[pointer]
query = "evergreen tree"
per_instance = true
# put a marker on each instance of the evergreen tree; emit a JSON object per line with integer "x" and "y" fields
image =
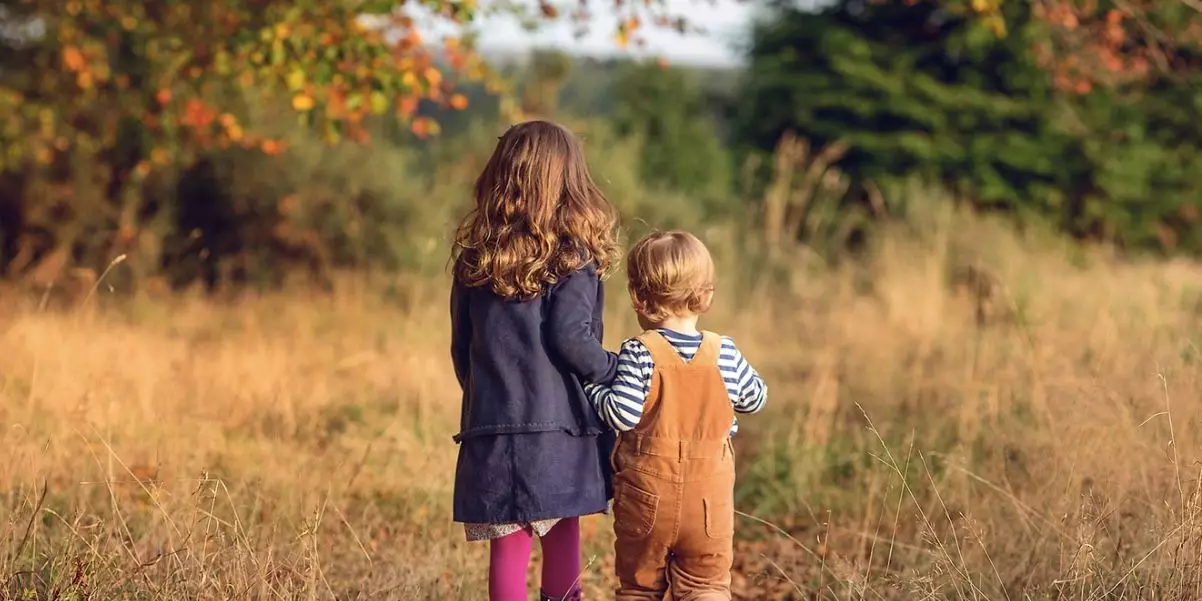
{"x": 916, "y": 89}
{"x": 666, "y": 108}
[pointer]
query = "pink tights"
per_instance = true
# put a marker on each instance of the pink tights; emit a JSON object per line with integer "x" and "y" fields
{"x": 509, "y": 557}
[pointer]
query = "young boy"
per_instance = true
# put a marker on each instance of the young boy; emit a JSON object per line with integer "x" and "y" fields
{"x": 673, "y": 402}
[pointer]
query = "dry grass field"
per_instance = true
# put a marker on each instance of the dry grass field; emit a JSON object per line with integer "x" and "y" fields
{"x": 966, "y": 414}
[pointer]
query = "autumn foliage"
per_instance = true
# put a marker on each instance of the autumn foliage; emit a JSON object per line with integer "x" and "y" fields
{"x": 179, "y": 69}
{"x": 106, "y": 101}
{"x": 110, "y": 107}
{"x": 1091, "y": 42}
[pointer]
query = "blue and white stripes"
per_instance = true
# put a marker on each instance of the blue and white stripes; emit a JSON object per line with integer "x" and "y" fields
{"x": 621, "y": 403}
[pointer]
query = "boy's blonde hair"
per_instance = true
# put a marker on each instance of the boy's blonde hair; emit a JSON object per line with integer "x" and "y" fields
{"x": 670, "y": 274}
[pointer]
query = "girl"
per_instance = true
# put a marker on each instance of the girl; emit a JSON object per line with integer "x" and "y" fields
{"x": 525, "y": 335}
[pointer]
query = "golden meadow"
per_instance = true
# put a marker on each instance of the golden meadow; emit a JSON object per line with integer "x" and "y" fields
{"x": 965, "y": 411}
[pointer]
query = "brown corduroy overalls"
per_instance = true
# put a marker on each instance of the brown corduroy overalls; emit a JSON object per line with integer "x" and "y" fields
{"x": 674, "y": 477}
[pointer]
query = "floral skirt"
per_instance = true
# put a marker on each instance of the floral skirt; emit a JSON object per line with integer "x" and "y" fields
{"x": 477, "y": 532}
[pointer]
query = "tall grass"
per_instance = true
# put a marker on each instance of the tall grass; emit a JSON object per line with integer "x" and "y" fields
{"x": 965, "y": 412}
{"x": 1033, "y": 437}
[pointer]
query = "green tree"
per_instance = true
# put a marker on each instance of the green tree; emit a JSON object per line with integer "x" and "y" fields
{"x": 666, "y": 109}
{"x": 543, "y": 81}
{"x": 916, "y": 89}
{"x": 911, "y": 91}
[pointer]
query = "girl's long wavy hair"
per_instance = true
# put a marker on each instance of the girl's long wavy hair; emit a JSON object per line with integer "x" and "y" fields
{"x": 538, "y": 216}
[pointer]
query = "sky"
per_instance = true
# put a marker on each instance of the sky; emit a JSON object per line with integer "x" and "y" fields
{"x": 725, "y": 22}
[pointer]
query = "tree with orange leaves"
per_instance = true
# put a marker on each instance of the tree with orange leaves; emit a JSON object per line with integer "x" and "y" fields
{"x": 99, "y": 96}
{"x": 174, "y": 68}
{"x": 104, "y": 99}
{"x": 1107, "y": 42}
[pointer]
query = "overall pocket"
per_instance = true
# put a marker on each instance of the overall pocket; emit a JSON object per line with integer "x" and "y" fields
{"x": 719, "y": 517}
{"x": 634, "y": 510}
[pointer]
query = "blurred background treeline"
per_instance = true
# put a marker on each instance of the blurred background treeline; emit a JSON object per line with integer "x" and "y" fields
{"x": 837, "y": 109}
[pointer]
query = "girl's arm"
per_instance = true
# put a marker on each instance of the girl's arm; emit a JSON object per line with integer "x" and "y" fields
{"x": 570, "y": 328}
{"x": 620, "y": 404}
{"x": 461, "y": 333}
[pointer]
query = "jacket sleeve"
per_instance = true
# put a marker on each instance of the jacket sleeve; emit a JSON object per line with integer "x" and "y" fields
{"x": 461, "y": 334}
{"x": 570, "y": 328}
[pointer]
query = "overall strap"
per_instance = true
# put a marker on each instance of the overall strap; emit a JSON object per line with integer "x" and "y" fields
{"x": 709, "y": 351}
{"x": 662, "y": 351}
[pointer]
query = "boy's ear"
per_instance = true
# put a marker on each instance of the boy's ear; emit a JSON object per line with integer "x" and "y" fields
{"x": 645, "y": 323}
{"x": 634, "y": 300}
{"x": 707, "y": 300}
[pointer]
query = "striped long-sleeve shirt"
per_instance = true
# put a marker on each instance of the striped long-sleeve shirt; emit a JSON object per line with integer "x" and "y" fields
{"x": 620, "y": 404}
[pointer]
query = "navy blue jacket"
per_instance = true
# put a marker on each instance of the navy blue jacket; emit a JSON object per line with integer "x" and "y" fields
{"x": 521, "y": 366}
